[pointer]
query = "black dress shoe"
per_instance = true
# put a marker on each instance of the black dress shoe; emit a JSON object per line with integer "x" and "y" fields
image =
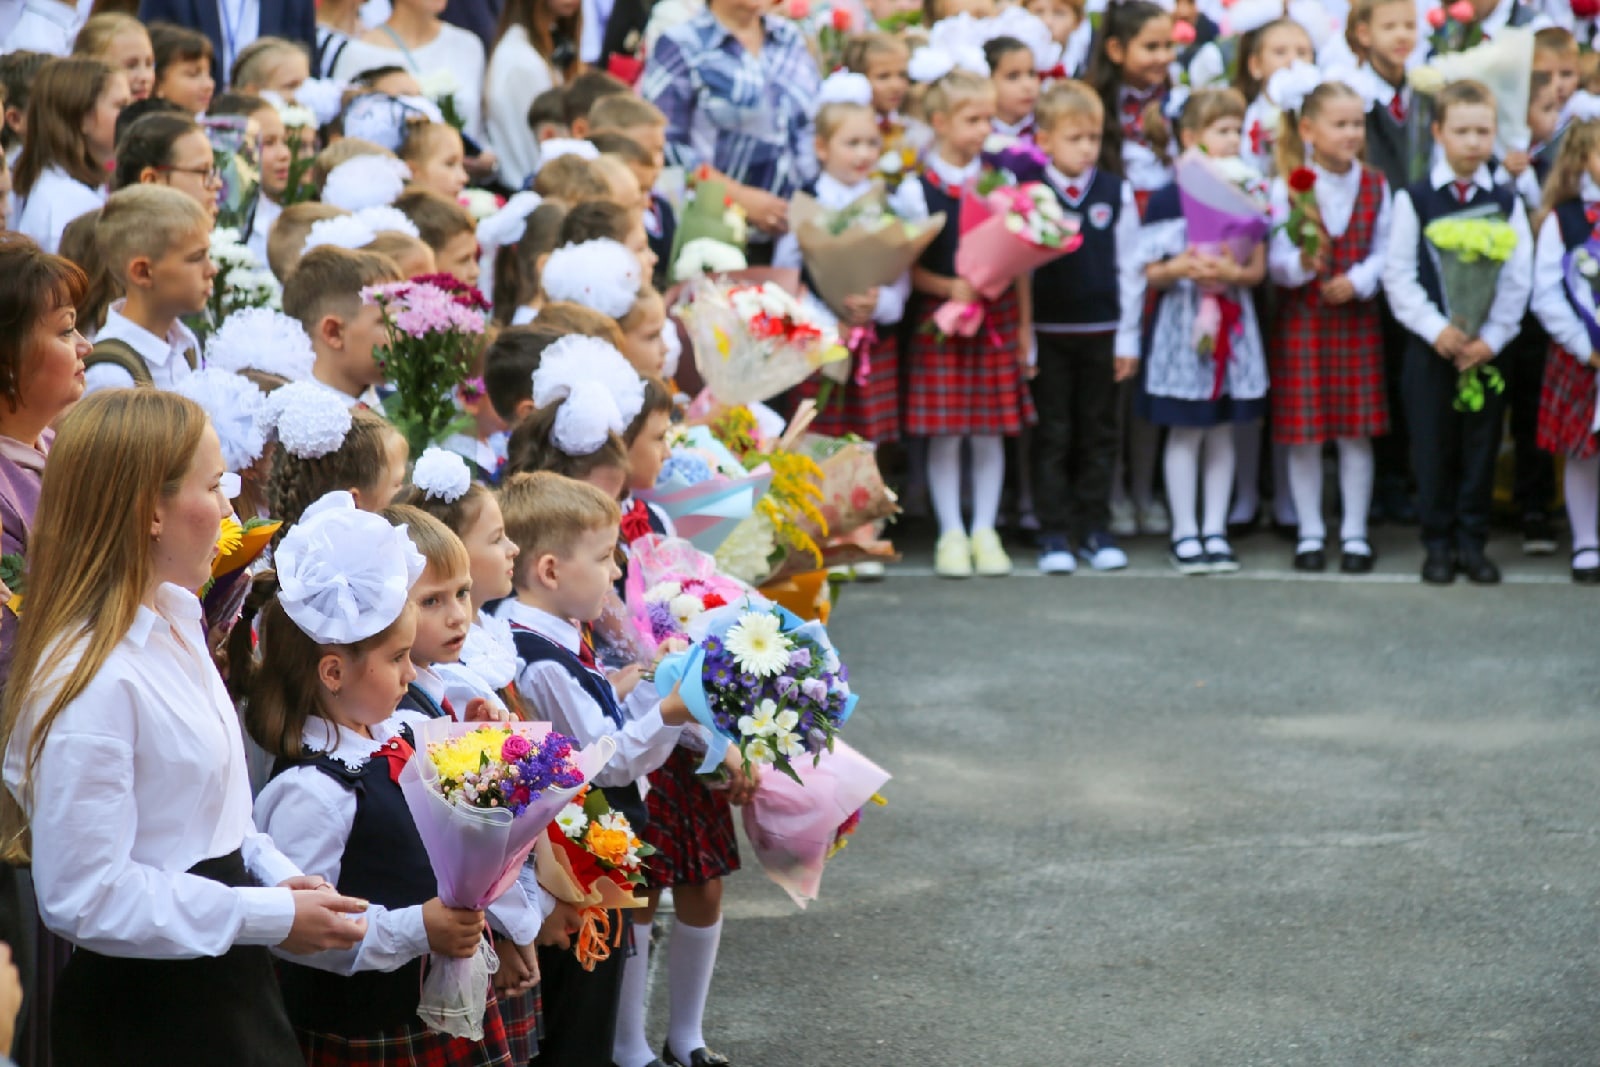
{"x": 1312, "y": 560}
{"x": 1585, "y": 575}
{"x": 1440, "y": 566}
{"x": 700, "y": 1057}
{"x": 1479, "y": 568}
{"x": 1358, "y": 561}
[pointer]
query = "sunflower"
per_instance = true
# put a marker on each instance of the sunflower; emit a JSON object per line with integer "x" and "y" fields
{"x": 230, "y": 537}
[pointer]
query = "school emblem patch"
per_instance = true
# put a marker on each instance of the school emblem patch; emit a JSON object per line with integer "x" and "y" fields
{"x": 1099, "y": 216}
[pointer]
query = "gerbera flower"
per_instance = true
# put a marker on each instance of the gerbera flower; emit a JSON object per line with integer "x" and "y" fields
{"x": 758, "y": 645}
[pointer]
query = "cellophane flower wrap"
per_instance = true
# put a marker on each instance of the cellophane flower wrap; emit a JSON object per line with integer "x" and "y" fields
{"x": 480, "y": 796}
{"x": 1470, "y": 249}
{"x": 591, "y": 856}
{"x": 754, "y": 341}
{"x": 434, "y": 324}
{"x": 671, "y": 583}
{"x": 704, "y": 489}
{"x": 236, "y": 160}
{"x": 1006, "y": 231}
{"x": 761, "y": 678}
{"x": 851, "y": 497}
{"x": 796, "y": 826}
{"x": 1581, "y": 273}
{"x": 858, "y": 247}
{"x": 790, "y": 502}
{"x": 1225, "y": 212}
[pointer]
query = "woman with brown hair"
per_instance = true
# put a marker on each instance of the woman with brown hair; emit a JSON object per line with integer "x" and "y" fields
{"x": 72, "y": 127}
{"x": 536, "y": 50}
{"x": 117, "y": 731}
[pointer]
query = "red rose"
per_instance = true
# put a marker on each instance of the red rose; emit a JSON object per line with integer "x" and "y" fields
{"x": 1586, "y": 9}
{"x": 1302, "y": 179}
{"x": 1182, "y": 33}
{"x": 841, "y": 19}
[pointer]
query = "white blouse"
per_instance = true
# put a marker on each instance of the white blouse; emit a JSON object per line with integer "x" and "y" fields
{"x": 517, "y": 74}
{"x": 55, "y": 200}
{"x": 141, "y": 777}
{"x": 454, "y": 50}
{"x": 1336, "y": 199}
{"x": 1549, "y": 301}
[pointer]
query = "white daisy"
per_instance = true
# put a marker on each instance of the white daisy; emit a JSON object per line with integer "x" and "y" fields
{"x": 758, "y": 645}
{"x": 685, "y": 607}
{"x": 572, "y": 821}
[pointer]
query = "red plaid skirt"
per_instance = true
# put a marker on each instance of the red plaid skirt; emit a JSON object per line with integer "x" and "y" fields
{"x": 1327, "y": 370}
{"x": 968, "y": 386}
{"x": 691, "y": 826}
{"x": 521, "y": 1017}
{"x": 413, "y": 1046}
{"x": 872, "y": 409}
{"x": 1566, "y": 407}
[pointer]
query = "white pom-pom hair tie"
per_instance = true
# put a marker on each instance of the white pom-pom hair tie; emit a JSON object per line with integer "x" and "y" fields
{"x": 262, "y": 340}
{"x": 441, "y": 475}
{"x": 600, "y": 274}
{"x": 237, "y": 408}
{"x": 341, "y": 231}
{"x": 845, "y": 87}
{"x": 365, "y": 181}
{"x": 311, "y": 420}
{"x": 599, "y": 392}
{"x": 343, "y": 574}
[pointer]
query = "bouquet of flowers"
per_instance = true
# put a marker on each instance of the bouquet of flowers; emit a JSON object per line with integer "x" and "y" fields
{"x": 590, "y": 857}
{"x": 760, "y": 678}
{"x": 671, "y": 583}
{"x": 1225, "y": 210}
{"x": 709, "y": 214}
{"x": 433, "y": 323}
{"x": 858, "y": 247}
{"x": 1013, "y": 159}
{"x": 795, "y": 827}
{"x": 704, "y": 488}
{"x": 703, "y": 255}
{"x": 826, "y": 24}
{"x": 790, "y": 503}
{"x": 241, "y": 280}
{"x": 1006, "y": 231}
{"x": 851, "y": 497}
{"x": 300, "y": 124}
{"x": 754, "y": 341}
{"x": 235, "y": 159}
{"x": 1581, "y": 273}
{"x": 1471, "y": 250}
{"x": 480, "y": 796}
{"x": 440, "y": 86}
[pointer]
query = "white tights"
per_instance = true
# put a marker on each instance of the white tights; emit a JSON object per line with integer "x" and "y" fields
{"x": 1184, "y": 472}
{"x": 1582, "y": 485}
{"x": 1355, "y": 488}
{"x": 944, "y": 480}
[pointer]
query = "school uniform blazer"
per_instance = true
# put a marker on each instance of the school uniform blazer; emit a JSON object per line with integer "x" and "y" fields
{"x": 294, "y": 19}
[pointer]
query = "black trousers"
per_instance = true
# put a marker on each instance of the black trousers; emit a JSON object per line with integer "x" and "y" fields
{"x": 1452, "y": 452}
{"x": 1534, "y": 484}
{"x": 580, "y": 1007}
{"x": 1075, "y": 442}
{"x": 1391, "y": 453}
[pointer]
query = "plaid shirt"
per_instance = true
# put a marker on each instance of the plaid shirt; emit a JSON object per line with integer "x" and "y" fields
{"x": 749, "y": 116}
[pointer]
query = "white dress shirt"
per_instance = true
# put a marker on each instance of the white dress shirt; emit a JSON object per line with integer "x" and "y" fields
{"x": 833, "y": 194}
{"x": 313, "y": 814}
{"x": 55, "y": 200}
{"x": 644, "y": 741}
{"x": 241, "y": 25}
{"x": 48, "y": 26}
{"x": 1336, "y": 199}
{"x": 164, "y": 356}
{"x": 517, "y": 74}
{"x": 1130, "y": 271}
{"x": 141, "y": 777}
{"x": 1410, "y": 302}
{"x": 267, "y": 214}
{"x": 1549, "y": 299}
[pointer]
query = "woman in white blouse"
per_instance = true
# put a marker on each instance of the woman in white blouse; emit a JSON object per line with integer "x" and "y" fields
{"x": 536, "y": 50}
{"x": 125, "y": 766}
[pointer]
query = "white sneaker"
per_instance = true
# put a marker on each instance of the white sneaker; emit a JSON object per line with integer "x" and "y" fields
{"x": 1102, "y": 554}
{"x": 869, "y": 570}
{"x": 1124, "y": 519}
{"x": 952, "y": 556}
{"x": 1056, "y": 558}
{"x": 1154, "y": 519}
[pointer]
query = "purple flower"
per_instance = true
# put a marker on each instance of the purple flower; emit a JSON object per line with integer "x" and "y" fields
{"x": 800, "y": 658}
{"x": 786, "y": 686}
{"x": 815, "y": 689}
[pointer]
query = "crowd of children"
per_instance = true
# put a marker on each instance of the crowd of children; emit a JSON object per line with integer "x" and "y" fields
{"x": 185, "y": 325}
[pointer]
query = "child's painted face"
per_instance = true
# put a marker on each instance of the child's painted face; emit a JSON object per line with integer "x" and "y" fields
{"x": 188, "y": 84}
{"x": 890, "y": 82}
{"x": 459, "y": 256}
{"x": 274, "y": 153}
{"x": 180, "y": 280}
{"x": 1016, "y": 86}
{"x": 1222, "y": 138}
{"x": 444, "y": 611}
{"x": 443, "y": 168}
{"x": 961, "y": 132}
{"x": 1563, "y": 71}
{"x": 1061, "y": 19}
{"x": 492, "y": 554}
{"x": 1336, "y": 133}
{"x": 649, "y": 451}
{"x": 1073, "y": 144}
{"x": 130, "y": 52}
{"x": 100, "y": 124}
{"x": 373, "y": 683}
{"x": 855, "y": 147}
{"x": 1278, "y": 48}
{"x": 642, "y": 343}
{"x": 1390, "y": 36}
{"x": 1466, "y": 133}
{"x": 1144, "y": 58}
{"x": 1544, "y": 111}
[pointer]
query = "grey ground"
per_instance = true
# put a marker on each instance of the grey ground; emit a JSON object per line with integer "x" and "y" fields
{"x": 1149, "y": 820}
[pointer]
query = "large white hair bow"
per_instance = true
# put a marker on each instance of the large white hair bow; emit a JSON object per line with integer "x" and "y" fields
{"x": 600, "y": 274}
{"x": 344, "y": 574}
{"x": 599, "y": 392}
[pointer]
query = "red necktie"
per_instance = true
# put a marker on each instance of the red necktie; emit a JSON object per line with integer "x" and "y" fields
{"x": 1463, "y": 191}
{"x": 1592, "y": 213}
{"x": 444, "y": 706}
{"x": 1397, "y": 106}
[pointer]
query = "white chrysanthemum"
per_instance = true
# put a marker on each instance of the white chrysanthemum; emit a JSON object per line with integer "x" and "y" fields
{"x": 264, "y": 340}
{"x": 295, "y": 117}
{"x": 615, "y": 820}
{"x": 228, "y": 250}
{"x": 685, "y": 607}
{"x": 441, "y": 475}
{"x": 572, "y": 821}
{"x": 746, "y": 553}
{"x": 365, "y": 181}
{"x": 662, "y": 592}
{"x": 385, "y": 218}
{"x": 311, "y": 420}
{"x": 236, "y": 407}
{"x": 341, "y": 231}
{"x": 703, "y": 255}
{"x": 439, "y": 82}
{"x": 600, "y": 274}
{"x": 757, "y": 644}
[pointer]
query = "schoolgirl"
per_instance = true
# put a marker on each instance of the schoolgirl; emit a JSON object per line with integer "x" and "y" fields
{"x": 72, "y": 125}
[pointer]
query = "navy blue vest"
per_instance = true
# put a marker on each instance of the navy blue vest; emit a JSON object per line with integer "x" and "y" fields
{"x": 666, "y": 225}
{"x": 534, "y": 647}
{"x": 940, "y": 256}
{"x": 1575, "y": 229}
{"x": 1389, "y": 145}
{"x": 1082, "y": 287}
{"x": 385, "y": 862}
{"x": 417, "y": 700}
{"x": 1430, "y": 204}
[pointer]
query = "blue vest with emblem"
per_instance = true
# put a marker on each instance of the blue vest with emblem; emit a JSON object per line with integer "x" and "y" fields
{"x": 534, "y": 647}
{"x": 1081, "y": 287}
{"x": 385, "y": 862}
{"x": 1430, "y": 204}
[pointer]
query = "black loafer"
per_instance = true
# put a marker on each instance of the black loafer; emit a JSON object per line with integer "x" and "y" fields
{"x": 700, "y": 1057}
{"x": 1440, "y": 567}
{"x": 1312, "y": 560}
{"x": 1479, "y": 568}
{"x": 1585, "y": 575}
{"x": 1357, "y": 562}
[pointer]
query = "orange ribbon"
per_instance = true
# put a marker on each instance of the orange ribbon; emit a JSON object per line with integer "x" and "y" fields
{"x": 594, "y": 937}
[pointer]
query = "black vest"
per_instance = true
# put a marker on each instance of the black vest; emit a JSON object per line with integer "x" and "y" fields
{"x": 1389, "y": 144}
{"x": 940, "y": 255}
{"x": 1430, "y": 204}
{"x": 385, "y": 862}
{"x": 534, "y": 647}
{"x": 1081, "y": 287}
{"x": 661, "y": 236}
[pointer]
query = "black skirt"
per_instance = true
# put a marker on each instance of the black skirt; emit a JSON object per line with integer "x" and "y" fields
{"x": 213, "y": 1010}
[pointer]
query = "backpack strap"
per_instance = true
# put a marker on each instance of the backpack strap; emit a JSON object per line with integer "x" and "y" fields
{"x": 120, "y": 354}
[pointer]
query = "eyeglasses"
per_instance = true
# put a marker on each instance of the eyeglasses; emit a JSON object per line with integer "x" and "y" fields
{"x": 207, "y": 175}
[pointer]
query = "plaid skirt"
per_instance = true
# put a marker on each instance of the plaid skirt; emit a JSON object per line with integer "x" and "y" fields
{"x": 1566, "y": 407}
{"x": 871, "y": 409}
{"x": 1326, "y": 365}
{"x": 691, "y": 826}
{"x": 968, "y": 386}
{"x": 413, "y": 1045}
{"x": 522, "y": 1018}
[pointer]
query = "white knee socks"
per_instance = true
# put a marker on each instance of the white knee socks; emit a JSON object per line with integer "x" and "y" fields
{"x": 1181, "y": 464}
{"x": 988, "y": 480}
{"x": 1219, "y": 468}
{"x": 1305, "y": 484}
{"x": 1582, "y": 484}
{"x": 630, "y": 1047}
{"x": 691, "y": 957}
{"x": 944, "y": 482}
{"x": 1355, "y": 486}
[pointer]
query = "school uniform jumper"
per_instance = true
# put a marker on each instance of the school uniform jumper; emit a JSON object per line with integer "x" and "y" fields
{"x": 1568, "y": 394}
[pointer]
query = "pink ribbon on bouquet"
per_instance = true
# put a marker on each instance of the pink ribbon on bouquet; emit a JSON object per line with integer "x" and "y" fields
{"x": 860, "y": 343}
